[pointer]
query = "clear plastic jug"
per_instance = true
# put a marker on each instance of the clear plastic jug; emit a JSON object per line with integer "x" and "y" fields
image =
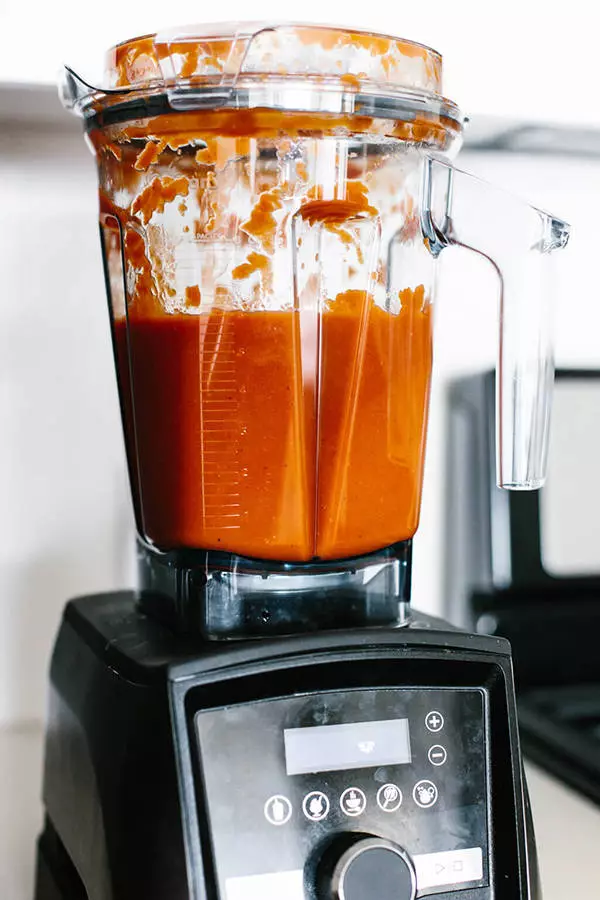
{"x": 273, "y": 200}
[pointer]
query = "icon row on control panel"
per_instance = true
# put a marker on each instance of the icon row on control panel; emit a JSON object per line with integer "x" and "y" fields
{"x": 353, "y": 802}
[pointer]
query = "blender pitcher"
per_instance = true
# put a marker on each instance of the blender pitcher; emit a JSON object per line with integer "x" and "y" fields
{"x": 273, "y": 200}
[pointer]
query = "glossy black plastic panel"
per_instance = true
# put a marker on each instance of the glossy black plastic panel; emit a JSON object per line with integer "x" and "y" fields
{"x": 264, "y": 821}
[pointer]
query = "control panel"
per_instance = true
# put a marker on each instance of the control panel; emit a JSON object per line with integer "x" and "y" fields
{"x": 309, "y": 795}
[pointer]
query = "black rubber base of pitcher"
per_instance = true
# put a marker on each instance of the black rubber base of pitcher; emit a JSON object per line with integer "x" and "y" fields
{"x": 224, "y": 596}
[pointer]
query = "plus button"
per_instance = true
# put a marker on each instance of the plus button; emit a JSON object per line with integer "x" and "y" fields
{"x": 434, "y": 721}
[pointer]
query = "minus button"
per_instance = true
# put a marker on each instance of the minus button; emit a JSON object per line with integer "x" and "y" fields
{"x": 437, "y": 755}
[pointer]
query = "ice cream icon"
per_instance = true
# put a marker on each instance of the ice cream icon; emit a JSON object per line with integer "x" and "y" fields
{"x": 353, "y": 801}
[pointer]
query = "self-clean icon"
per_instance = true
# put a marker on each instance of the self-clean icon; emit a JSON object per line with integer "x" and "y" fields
{"x": 425, "y": 794}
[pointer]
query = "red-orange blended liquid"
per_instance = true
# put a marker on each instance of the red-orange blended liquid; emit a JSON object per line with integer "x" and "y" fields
{"x": 281, "y": 435}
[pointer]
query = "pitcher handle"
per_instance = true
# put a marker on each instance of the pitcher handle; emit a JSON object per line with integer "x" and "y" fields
{"x": 458, "y": 209}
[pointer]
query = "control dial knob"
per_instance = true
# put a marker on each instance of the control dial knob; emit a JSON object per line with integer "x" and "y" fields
{"x": 361, "y": 867}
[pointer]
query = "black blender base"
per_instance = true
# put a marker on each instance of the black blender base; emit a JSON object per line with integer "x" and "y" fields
{"x": 123, "y": 700}
{"x": 56, "y": 877}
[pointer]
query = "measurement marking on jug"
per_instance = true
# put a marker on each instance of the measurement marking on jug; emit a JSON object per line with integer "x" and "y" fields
{"x": 219, "y": 426}
{"x": 225, "y": 505}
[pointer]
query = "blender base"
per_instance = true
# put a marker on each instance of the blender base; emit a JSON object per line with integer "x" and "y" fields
{"x": 150, "y": 792}
{"x": 56, "y": 877}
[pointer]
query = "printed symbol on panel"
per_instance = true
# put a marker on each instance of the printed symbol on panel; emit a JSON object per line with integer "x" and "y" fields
{"x": 425, "y": 794}
{"x": 437, "y": 755}
{"x": 278, "y": 810}
{"x": 315, "y": 806}
{"x": 366, "y": 747}
{"x": 353, "y": 802}
{"x": 389, "y": 798}
{"x": 434, "y": 721}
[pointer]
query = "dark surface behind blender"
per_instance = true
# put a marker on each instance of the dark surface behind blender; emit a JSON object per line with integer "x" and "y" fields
{"x": 498, "y": 582}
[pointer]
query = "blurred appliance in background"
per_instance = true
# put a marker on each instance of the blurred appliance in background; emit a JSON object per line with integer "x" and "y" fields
{"x": 527, "y": 566}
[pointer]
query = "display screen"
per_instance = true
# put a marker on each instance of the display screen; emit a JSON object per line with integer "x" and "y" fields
{"x": 356, "y": 745}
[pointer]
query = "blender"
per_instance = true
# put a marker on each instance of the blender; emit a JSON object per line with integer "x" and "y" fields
{"x": 265, "y": 716}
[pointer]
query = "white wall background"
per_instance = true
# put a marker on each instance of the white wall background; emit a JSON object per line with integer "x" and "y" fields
{"x": 64, "y": 510}
{"x": 65, "y": 519}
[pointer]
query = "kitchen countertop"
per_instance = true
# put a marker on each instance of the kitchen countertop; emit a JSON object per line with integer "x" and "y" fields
{"x": 567, "y": 825}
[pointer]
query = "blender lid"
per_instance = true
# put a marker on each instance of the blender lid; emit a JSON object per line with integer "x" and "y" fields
{"x": 232, "y": 64}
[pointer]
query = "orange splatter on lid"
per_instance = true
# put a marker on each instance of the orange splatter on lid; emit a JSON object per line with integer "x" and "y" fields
{"x": 232, "y": 67}
{"x": 232, "y": 50}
